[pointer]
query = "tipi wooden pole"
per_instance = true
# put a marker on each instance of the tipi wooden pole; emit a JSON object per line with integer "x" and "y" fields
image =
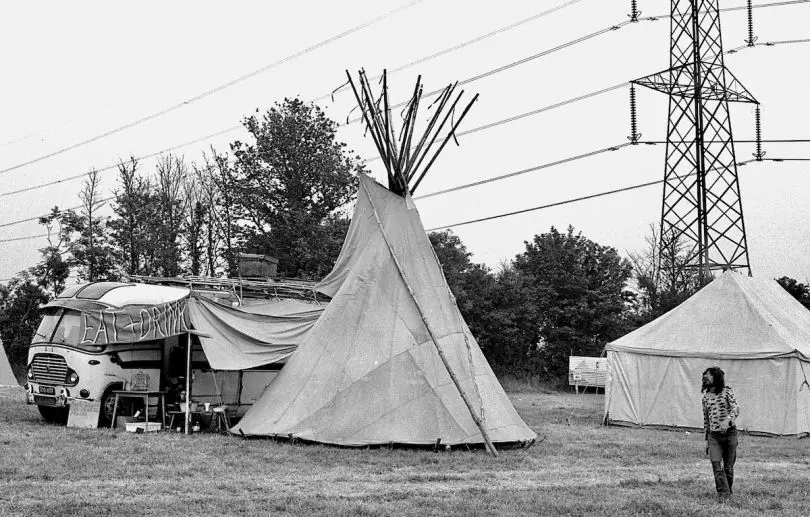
{"x": 478, "y": 422}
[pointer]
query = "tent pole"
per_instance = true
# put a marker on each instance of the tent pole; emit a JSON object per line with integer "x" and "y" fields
{"x": 490, "y": 446}
{"x": 188, "y": 381}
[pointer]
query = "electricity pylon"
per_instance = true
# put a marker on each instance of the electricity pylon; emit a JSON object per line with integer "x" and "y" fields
{"x": 701, "y": 205}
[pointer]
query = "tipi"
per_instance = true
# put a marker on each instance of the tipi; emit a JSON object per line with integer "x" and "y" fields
{"x": 390, "y": 360}
{"x": 750, "y": 327}
{"x": 7, "y": 377}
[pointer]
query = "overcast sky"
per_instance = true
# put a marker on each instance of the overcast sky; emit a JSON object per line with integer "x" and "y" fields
{"x": 76, "y": 70}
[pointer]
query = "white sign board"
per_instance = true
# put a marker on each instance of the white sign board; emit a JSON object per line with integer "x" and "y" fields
{"x": 84, "y": 413}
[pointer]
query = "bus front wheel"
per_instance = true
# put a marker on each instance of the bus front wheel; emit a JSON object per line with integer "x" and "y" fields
{"x": 107, "y": 406}
{"x": 56, "y": 415}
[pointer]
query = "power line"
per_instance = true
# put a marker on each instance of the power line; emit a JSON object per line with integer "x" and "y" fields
{"x": 559, "y": 203}
{"x": 767, "y": 44}
{"x": 461, "y": 187}
{"x": 525, "y": 171}
{"x": 461, "y": 45}
{"x": 24, "y": 238}
{"x": 115, "y": 166}
{"x": 505, "y": 67}
{"x": 541, "y": 207}
{"x": 529, "y": 113}
{"x": 214, "y": 90}
{"x": 466, "y": 81}
{"x": 736, "y": 8}
{"x": 462, "y": 133}
{"x": 550, "y": 205}
{"x": 12, "y": 223}
{"x": 519, "y": 62}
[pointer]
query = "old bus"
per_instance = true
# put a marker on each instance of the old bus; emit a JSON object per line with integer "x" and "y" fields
{"x": 138, "y": 343}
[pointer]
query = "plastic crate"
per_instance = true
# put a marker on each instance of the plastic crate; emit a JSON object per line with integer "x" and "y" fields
{"x": 148, "y": 427}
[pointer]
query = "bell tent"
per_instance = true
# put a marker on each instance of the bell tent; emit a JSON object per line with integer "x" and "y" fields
{"x": 7, "y": 377}
{"x": 390, "y": 360}
{"x": 750, "y": 327}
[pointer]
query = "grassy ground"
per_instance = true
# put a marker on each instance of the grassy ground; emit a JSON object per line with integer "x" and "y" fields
{"x": 580, "y": 468}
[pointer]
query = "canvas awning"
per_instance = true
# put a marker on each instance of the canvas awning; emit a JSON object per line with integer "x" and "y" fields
{"x": 240, "y": 339}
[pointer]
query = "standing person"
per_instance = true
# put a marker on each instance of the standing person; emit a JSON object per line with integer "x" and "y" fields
{"x": 720, "y": 410}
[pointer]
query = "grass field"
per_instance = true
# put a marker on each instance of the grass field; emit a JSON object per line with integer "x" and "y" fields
{"x": 580, "y": 468}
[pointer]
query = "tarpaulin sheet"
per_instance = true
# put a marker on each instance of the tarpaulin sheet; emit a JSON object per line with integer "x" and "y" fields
{"x": 240, "y": 339}
{"x": 368, "y": 372}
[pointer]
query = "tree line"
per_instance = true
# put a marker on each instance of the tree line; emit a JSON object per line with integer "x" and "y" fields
{"x": 285, "y": 193}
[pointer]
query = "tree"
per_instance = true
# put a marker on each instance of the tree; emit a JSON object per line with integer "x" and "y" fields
{"x": 796, "y": 289}
{"x": 92, "y": 254}
{"x": 132, "y": 207}
{"x": 171, "y": 172}
{"x": 218, "y": 184}
{"x": 54, "y": 268}
{"x": 194, "y": 226}
{"x": 662, "y": 275}
{"x": 19, "y": 318}
{"x": 292, "y": 182}
{"x": 495, "y": 307}
{"x": 577, "y": 286}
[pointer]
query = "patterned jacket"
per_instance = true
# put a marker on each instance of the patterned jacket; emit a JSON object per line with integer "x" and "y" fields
{"x": 717, "y": 408}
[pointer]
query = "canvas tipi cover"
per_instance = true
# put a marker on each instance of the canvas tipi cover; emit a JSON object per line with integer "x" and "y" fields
{"x": 368, "y": 372}
{"x": 750, "y": 327}
{"x": 6, "y": 375}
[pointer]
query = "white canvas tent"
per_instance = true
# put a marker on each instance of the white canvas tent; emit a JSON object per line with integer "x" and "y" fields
{"x": 369, "y": 372}
{"x": 750, "y": 327}
{"x": 6, "y": 375}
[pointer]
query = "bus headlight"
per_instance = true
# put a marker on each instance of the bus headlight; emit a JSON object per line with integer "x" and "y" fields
{"x": 72, "y": 378}
{"x": 30, "y": 372}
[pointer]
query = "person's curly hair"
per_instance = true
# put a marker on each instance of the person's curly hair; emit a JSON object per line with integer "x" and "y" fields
{"x": 719, "y": 380}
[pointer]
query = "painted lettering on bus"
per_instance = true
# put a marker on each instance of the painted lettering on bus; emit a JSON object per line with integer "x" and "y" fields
{"x": 134, "y": 324}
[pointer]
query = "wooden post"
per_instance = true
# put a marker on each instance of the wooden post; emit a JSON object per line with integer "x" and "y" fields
{"x": 456, "y": 382}
{"x": 188, "y": 375}
{"x": 188, "y": 382}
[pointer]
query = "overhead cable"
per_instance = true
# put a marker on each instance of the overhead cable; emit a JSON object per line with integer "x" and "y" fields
{"x": 514, "y": 64}
{"x": 498, "y": 216}
{"x": 459, "y": 134}
{"x": 214, "y": 90}
{"x": 448, "y": 50}
{"x": 27, "y": 237}
{"x": 550, "y": 205}
{"x": 525, "y": 171}
{"x": 735, "y": 8}
{"x": 12, "y": 223}
{"x": 115, "y": 166}
{"x": 767, "y": 44}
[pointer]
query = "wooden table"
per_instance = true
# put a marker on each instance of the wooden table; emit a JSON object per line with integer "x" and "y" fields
{"x": 145, "y": 396}
{"x": 217, "y": 414}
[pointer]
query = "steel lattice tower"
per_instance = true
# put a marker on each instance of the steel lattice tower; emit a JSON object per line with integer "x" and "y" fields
{"x": 701, "y": 203}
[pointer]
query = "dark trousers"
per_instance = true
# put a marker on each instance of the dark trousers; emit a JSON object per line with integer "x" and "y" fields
{"x": 723, "y": 454}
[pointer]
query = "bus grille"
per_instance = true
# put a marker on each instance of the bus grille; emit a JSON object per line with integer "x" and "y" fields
{"x": 49, "y": 369}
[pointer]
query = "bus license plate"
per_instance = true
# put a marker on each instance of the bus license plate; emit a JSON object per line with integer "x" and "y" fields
{"x": 47, "y": 390}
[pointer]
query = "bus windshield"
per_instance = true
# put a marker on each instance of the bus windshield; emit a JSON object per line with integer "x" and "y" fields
{"x": 62, "y": 327}
{"x": 46, "y": 328}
